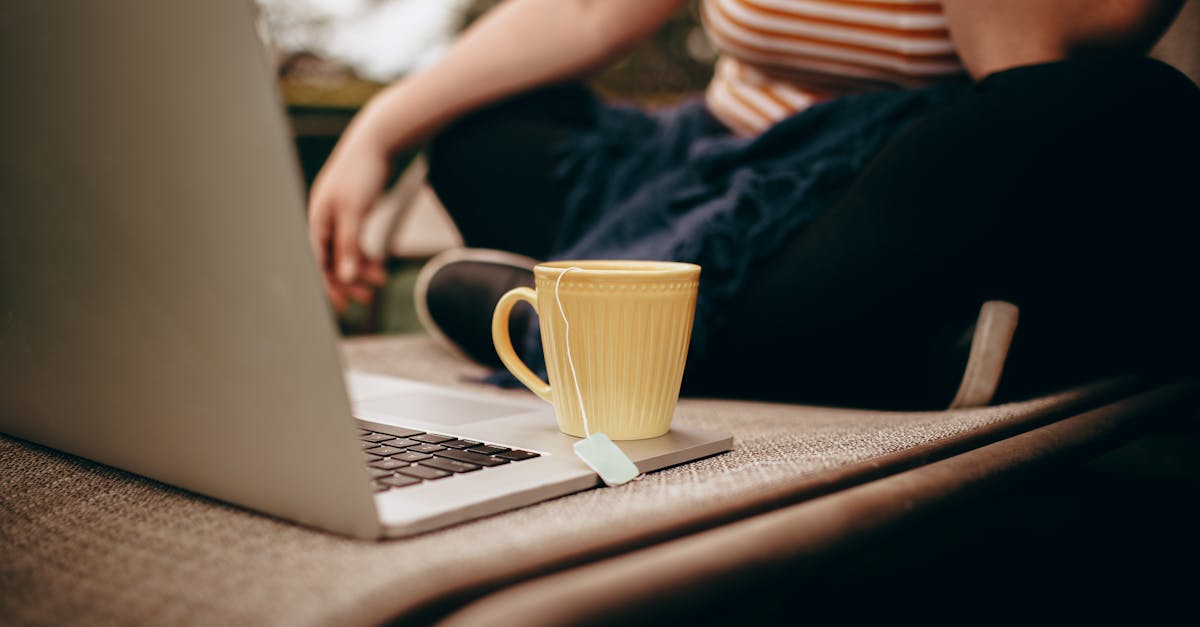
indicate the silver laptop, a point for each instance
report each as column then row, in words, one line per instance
column 160, row 310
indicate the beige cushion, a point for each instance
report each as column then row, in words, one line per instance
column 81, row 540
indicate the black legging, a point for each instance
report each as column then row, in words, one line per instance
column 1067, row 188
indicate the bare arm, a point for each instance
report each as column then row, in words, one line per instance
column 519, row 45
column 993, row 35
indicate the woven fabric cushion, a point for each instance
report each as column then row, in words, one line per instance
column 86, row 543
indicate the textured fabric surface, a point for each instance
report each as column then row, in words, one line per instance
column 740, row 572
column 82, row 543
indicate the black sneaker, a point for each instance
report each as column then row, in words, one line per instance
column 456, row 293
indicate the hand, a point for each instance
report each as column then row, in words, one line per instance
column 346, row 188
column 519, row 46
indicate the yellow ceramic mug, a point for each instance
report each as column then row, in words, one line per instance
column 629, row 324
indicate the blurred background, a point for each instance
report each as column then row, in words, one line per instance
column 333, row 55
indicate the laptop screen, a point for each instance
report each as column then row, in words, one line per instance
column 160, row 310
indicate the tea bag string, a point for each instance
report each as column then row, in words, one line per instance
column 567, row 340
column 599, row 452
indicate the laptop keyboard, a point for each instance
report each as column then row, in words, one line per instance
column 400, row 458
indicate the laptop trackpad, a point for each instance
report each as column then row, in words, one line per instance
column 432, row 407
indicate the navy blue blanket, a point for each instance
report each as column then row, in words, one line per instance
column 675, row 185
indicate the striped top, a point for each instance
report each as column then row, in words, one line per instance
column 781, row 56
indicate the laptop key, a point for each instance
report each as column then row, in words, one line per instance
column 471, row 458
column 425, row 448
column 384, row 450
column 401, row 443
column 376, row 437
column 379, row 474
column 433, row 438
column 517, row 456
column 448, row 465
column 409, row 457
column 423, row 472
column 460, row 443
column 399, row 432
column 388, row 463
column 399, row 481
column 488, row 449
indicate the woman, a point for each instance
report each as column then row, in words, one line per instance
column 859, row 178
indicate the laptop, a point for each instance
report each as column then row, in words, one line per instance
column 161, row 312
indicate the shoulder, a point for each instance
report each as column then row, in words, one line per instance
column 993, row 35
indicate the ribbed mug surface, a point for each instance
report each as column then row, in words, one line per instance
column 630, row 323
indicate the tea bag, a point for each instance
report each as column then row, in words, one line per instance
column 604, row 457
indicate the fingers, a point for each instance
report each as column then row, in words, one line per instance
column 320, row 228
column 348, row 257
column 340, row 294
column 360, row 290
column 346, row 274
column 373, row 272
column 340, row 199
column 355, row 275
column 337, row 297
column 360, row 293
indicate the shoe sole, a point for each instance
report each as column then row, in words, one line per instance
column 441, row 260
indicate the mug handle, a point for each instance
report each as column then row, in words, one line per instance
column 504, row 345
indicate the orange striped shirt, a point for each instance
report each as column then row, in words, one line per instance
column 781, row 56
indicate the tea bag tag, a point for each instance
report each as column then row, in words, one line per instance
column 609, row 461
column 597, row 449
